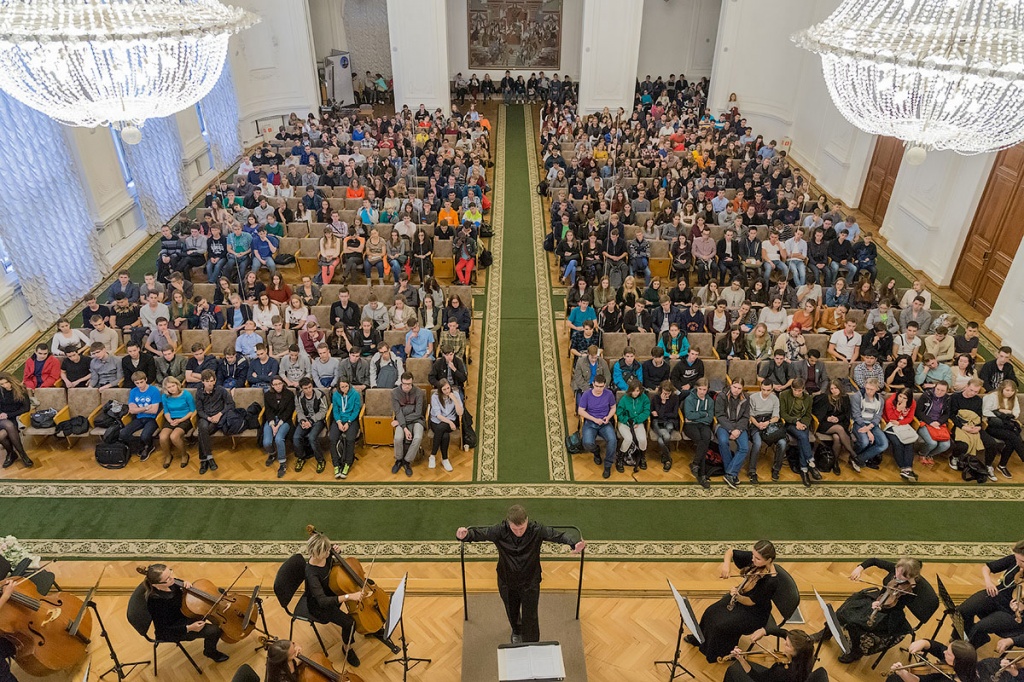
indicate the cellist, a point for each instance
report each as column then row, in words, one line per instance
column 7, row 649
column 283, row 661
column 164, row 600
column 324, row 605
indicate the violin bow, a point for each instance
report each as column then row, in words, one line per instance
column 28, row 576
column 768, row 651
column 223, row 593
column 924, row 659
column 77, row 622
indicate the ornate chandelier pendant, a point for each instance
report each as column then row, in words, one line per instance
column 938, row 74
column 114, row 62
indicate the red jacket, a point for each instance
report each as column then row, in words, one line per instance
column 51, row 372
column 889, row 413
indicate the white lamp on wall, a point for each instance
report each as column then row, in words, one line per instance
column 114, row 62
column 938, row 74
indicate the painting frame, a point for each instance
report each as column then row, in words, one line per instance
column 493, row 43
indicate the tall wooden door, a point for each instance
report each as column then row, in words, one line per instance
column 995, row 233
column 885, row 165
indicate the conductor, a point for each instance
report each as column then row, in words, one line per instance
column 518, row 540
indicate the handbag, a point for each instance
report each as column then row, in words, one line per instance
column 904, row 432
column 940, row 434
column 43, row 419
column 772, row 433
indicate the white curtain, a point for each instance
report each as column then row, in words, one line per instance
column 44, row 214
column 157, row 169
column 220, row 113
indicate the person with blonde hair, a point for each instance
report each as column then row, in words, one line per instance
column 324, row 605
column 870, row 621
column 1002, row 411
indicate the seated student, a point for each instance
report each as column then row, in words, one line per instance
column 212, row 403
column 42, row 370
column 844, row 345
column 164, row 600
column 344, row 428
column 626, row 369
column 74, row 369
column 207, row 317
column 792, row 343
column 294, row 366
column 665, row 407
column 917, row 289
column 933, row 414
column 908, row 342
column 144, row 404
column 354, row 369
column 866, row 410
column 732, row 414
column 124, row 317
column 929, row 371
column 123, row 285
column 1002, row 413
column 279, row 406
column 310, row 411
column 385, row 367
column 161, row 337
column 179, row 407
column 674, row 343
column 882, row 314
column 137, row 361
column 587, row 366
column 967, row 343
column 795, row 411
column 445, row 410
column 262, row 369
column 238, row 313
column 407, row 406
column 247, row 340
column 997, row 370
column 777, row 372
column 655, row 370
column 868, row 368
column 916, row 313
column 698, row 414
column 879, row 341
column 419, row 342
column 102, row 333
column 169, row 364
column 233, row 369
column 197, row 364
column 596, row 409
column 899, row 411
column 104, row 369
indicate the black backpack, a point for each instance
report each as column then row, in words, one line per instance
column 468, row 432
column 232, row 422
column 824, row 457
column 112, row 455
column 252, row 415
column 110, row 414
column 486, row 259
column 973, row 469
column 75, row 426
column 43, row 419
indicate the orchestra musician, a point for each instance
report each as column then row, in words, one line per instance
column 957, row 662
column 519, row 540
column 874, row 617
column 164, row 598
column 793, row 664
column 283, row 661
column 747, row 606
column 7, row 649
column 324, row 604
column 992, row 611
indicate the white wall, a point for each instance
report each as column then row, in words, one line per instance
column 327, row 22
column 781, row 91
column 458, row 42
column 932, row 208
column 608, row 76
column 273, row 64
column 678, row 36
column 1007, row 318
column 419, row 53
column 366, row 26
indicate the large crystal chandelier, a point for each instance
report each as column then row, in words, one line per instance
column 114, row 62
column 938, row 74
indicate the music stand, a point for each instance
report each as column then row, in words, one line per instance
column 948, row 611
column 122, row 670
column 686, row 619
column 395, row 619
column 832, row 628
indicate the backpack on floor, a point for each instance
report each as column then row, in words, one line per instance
column 793, row 458
column 112, row 455
column 824, row 457
column 468, row 432
column 973, row 469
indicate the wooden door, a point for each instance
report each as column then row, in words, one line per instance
column 885, row 166
column 995, row 233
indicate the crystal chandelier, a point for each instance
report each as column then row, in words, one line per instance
column 938, row 74
column 114, row 62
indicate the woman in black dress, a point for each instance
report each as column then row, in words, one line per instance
column 797, row 645
column 867, row 634
column 283, row 661
column 723, row 626
column 959, row 655
column 163, row 599
column 324, row 605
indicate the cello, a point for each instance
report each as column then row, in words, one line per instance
column 369, row 613
column 232, row 611
column 50, row 633
column 316, row 667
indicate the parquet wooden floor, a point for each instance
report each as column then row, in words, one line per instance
column 628, row 617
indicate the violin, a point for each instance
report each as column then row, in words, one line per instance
column 1017, row 601
column 314, row 668
column 50, row 633
column 889, row 597
column 751, row 574
column 347, row 576
column 232, row 611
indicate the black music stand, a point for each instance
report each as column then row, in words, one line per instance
column 122, row 670
column 395, row 619
column 948, row 611
column 832, row 628
column 687, row 619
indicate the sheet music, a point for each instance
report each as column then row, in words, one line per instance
column 536, row 662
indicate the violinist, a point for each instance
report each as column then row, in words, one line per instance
column 992, row 610
column 958, row 662
column 747, row 606
column 164, row 598
column 792, row 664
column 324, row 605
column 874, row 617
column 7, row 650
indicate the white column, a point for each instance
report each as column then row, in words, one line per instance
column 610, row 52
column 931, row 210
column 419, row 53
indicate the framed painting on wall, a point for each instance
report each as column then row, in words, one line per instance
column 515, row 34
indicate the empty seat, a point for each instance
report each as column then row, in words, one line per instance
column 377, row 416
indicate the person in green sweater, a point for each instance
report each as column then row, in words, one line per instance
column 632, row 412
column 795, row 410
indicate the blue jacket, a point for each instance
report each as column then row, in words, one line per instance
column 621, row 378
column 346, row 407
